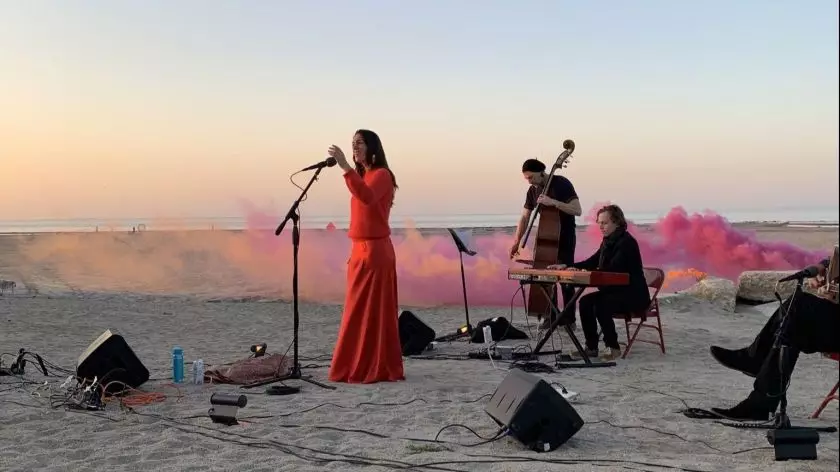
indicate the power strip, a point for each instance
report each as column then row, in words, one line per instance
column 482, row 354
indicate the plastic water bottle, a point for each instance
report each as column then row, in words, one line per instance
column 488, row 335
column 198, row 372
column 177, row 364
column 488, row 341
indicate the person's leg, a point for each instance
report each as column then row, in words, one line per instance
column 608, row 306
column 350, row 329
column 566, row 255
column 811, row 327
column 749, row 360
column 561, row 296
column 588, row 309
column 368, row 345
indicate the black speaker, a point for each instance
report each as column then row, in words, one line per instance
column 110, row 359
column 415, row 335
column 533, row 412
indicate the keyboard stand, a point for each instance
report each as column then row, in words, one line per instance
column 587, row 362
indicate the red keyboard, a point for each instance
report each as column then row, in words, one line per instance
column 571, row 277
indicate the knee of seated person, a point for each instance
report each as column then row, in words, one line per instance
column 809, row 306
column 587, row 301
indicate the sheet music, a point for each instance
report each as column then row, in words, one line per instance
column 466, row 237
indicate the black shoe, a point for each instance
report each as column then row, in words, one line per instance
column 748, row 410
column 738, row 359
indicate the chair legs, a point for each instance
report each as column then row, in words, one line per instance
column 661, row 337
column 832, row 395
column 632, row 339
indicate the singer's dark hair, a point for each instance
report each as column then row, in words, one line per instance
column 375, row 156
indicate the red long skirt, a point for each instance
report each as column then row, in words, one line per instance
column 368, row 347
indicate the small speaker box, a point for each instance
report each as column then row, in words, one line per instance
column 415, row 335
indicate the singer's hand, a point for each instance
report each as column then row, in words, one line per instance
column 338, row 154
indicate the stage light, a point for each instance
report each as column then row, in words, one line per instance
column 259, row 349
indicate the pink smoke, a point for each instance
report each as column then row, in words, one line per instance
column 256, row 263
column 709, row 243
column 429, row 273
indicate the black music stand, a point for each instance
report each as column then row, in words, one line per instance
column 587, row 362
column 467, row 329
column 294, row 215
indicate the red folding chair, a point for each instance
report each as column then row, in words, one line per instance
column 655, row 278
column 832, row 395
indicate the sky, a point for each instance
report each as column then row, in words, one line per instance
column 190, row 108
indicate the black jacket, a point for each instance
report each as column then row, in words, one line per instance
column 619, row 252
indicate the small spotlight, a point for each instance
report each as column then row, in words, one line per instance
column 463, row 329
column 259, row 349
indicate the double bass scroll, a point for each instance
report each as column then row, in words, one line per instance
column 548, row 234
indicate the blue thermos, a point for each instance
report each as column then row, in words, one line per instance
column 177, row 364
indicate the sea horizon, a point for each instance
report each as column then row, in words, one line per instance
column 789, row 217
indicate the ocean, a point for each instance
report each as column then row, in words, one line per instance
column 813, row 217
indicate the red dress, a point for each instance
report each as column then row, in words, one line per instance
column 368, row 346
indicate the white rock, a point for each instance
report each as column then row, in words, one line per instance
column 720, row 292
column 759, row 285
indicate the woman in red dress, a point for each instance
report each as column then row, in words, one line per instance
column 368, row 347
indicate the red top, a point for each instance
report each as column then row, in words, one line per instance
column 370, row 204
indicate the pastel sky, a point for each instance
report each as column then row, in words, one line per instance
column 172, row 109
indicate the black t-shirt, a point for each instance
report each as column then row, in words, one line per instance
column 562, row 190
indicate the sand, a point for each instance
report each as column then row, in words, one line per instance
column 632, row 411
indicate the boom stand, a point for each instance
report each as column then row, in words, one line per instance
column 467, row 329
column 293, row 215
column 789, row 442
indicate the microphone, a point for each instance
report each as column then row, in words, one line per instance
column 328, row 162
column 810, row 271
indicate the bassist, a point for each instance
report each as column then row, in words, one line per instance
column 561, row 196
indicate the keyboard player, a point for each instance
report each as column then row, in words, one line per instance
column 619, row 252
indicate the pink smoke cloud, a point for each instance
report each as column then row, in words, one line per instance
column 429, row 273
column 256, row 263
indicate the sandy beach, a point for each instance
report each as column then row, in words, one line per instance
column 217, row 293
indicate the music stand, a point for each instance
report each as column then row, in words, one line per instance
column 294, row 215
column 467, row 329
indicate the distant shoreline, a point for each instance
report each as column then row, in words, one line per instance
column 813, row 218
column 481, row 229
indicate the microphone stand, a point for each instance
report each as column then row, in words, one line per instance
column 789, row 442
column 294, row 216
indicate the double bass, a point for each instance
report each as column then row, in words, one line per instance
column 548, row 235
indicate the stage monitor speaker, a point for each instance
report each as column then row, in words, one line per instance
column 533, row 412
column 110, row 359
column 415, row 335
